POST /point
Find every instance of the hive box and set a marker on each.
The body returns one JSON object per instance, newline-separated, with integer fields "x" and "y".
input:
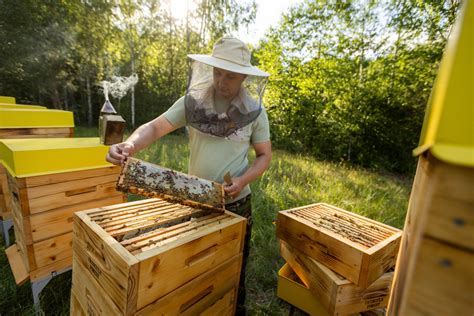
{"x": 17, "y": 121}
{"x": 154, "y": 257}
{"x": 49, "y": 180}
{"x": 359, "y": 249}
{"x": 338, "y": 295}
{"x": 20, "y": 122}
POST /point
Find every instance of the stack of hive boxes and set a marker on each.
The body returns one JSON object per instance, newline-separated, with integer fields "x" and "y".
{"x": 48, "y": 180}
{"x": 154, "y": 257}
{"x": 27, "y": 121}
{"x": 343, "y": 260}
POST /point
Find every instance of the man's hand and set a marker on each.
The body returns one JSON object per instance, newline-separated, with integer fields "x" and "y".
{"x": 118, "y": 152}
{"x": 233, "y": 189}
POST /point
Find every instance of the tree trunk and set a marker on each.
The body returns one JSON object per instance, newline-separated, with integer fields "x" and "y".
{"x": 66, "y": 101}
{"x": 89, "y": 102}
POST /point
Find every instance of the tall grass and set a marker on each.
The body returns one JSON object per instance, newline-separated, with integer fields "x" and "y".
{"x": 292, "y": 180}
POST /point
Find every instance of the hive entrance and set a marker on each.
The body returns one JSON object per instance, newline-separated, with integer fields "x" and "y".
{"x": 358, "y": 231}
{"x": 145, "y": 226}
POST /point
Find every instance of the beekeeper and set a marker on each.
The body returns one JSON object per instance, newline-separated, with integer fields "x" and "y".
{"x": 223, "y": 112}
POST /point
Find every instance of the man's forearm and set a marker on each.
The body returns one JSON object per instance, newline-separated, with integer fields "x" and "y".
{"x": 258, "y": 167}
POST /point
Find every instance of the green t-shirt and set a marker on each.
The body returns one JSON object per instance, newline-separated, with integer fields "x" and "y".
{"x": 211, "y": 157}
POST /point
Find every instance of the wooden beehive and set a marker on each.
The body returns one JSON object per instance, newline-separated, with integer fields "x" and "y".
{"x": 434, "y": 274}
{"x": 18, "y": 123}
{"x": 359, "y": 249}
{"x": 44, "y": 195}
{"x": 338, "y": 295}
{"x": 154, "y": 257}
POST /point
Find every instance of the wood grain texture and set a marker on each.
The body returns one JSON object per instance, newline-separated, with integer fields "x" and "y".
{"x": 201, "y": 293}
{"x": 338, "y": 295}
{"x": 361, "y": 262}
{"x": 441, "y": 209}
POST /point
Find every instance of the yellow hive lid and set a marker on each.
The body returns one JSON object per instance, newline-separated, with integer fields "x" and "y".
{"x": 35, "y": 118}
{"x": 20, "y": 106}
{"x": 5, "y": 99}
{"x": 39, "y": 156}
{"x": 448, "y": 128}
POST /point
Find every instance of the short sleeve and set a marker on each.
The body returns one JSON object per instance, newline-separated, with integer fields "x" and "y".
{"x": 261, "y": 128}
{"x": 175, "y": 114}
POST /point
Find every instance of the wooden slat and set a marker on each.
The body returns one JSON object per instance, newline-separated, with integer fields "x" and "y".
{"x": 51, "y": 189}
{"x": 70, "y": 176}
{"x": 191, "y": 256}
{"x": 443, "y": 281}
{"x": 199, "y": 294}
{"x": 36, "y": 132}
{"x": 75, "y": 308}
{"x": 62, "y": 199}
{"x": 59, "y": 221}
{"x": 16, "y": 262}
{"x": 49, "y": 269}
{"x": 52, "y": 250}
{"x": 224, "y": 306}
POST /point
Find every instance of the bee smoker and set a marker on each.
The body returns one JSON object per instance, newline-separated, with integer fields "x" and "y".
{"x": 111, "y": 125}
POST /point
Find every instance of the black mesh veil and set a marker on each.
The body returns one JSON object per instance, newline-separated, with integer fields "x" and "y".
{"x": 199, "y": 103}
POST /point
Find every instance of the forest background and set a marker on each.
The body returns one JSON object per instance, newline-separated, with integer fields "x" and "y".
{"x": 349, "y": 82}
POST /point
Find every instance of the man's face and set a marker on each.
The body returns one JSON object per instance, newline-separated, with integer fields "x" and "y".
{"x": 227, "y": 83}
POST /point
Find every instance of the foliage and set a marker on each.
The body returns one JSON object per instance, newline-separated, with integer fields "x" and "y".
{"x": 292, "y": 180}
{"x": 350, "y": 80}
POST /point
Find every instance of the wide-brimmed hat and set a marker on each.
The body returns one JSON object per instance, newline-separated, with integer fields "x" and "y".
{"x": 230, "y": 54}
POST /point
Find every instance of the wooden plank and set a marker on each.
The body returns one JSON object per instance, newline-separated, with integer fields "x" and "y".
{"x": 50, "y": 269}
{"x": 224, "y": 306}
{"x": 59, "y": 221}
{"x": 451, "y": 220}
{"x": 17, "y": 265}
{"x": 89, "y": 293}
{"x": 62, "y": 199}
{"x": 36, "y": 132}
{"x": 75, "y": 308}
{"x": 338, "y": 295}
{"x": 191, "y": 256}
{"x": 70, "y": 176}
{"x": 110, "y": 264}
{"x": 52, "y": 250}
{"x": 200, "y": 293}
{"x": 443, "y": 281}
{"x": 69, "y": 186}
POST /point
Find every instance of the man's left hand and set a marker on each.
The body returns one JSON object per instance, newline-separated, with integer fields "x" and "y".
{"x": 233, "y": 189}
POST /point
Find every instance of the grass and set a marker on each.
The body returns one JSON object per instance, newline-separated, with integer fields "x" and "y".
{"x": 292, "y": 180}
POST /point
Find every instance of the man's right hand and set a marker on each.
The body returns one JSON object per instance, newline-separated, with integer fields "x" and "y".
{"x": 118, "y": 152}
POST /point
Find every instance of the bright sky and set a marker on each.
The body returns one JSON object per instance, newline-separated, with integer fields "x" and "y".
{"x": 268, "y": 14}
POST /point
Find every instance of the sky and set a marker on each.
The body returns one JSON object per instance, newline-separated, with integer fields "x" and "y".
{"x": 268, "y": 14}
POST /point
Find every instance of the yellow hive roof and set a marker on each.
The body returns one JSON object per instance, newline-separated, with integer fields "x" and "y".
{"x": 35, "y": 118}
{"x": 20, "y": 106}
{"x": 448, "y": 128}
{"x": 4, "y": 99}
{"x": 39, "y": 156}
